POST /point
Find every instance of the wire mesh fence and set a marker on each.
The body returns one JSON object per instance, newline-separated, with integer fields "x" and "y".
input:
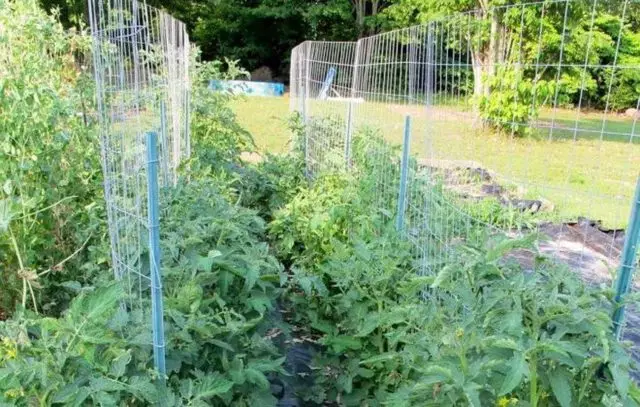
{"x": 514, "y": 119}
{"x": 141, "y": 66}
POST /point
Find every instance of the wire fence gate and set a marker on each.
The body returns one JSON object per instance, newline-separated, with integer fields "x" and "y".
{"x": 520, "y": 118}
{"x": 141, "y": 64}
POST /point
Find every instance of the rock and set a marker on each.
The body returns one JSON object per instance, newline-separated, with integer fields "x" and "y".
{"x": 262, "y": 74}
{"x": 633, "y": 113}
{"x": 547, "y": 206}
{"x": 480, "y": 173}
{"x": 524, "y": 205}
{"x": 491, "y": 189}
{"x": 582, "y": 221}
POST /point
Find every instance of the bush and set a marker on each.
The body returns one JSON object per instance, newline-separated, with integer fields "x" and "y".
{"x": 270, "y": 184}
{"x": 217, "y": 138}
{"x": 482, "y": 331}
{"x": 91, "y": 354}
{"x": 220, "y": 286}
{"x": 513, "y": 101}
{"x": 501, "y": 335}
{"x": 50, "y": 188}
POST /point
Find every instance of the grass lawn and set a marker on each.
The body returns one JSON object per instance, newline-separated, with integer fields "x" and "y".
{"x": 266, "y": 119}
{"x": 580, "y": 165}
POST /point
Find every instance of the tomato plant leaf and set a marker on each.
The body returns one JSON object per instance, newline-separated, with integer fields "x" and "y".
{"x": 517, "y": 368}
{"x": 560, "y": 381}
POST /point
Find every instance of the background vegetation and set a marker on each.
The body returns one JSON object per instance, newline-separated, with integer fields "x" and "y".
{"x": 256, "y": 262}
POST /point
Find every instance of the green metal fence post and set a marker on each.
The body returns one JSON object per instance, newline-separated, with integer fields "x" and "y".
{"x": 157, "y": 314}
{"x": 627, "y": 263}
{"x": 404, "y": 170}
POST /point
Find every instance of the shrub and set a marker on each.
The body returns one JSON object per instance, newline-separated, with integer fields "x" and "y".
{"x": 89, "y": 355}
{"x": 220, "y": 286}
{"x": 483, "y": 331}
{"x": 217, "y": 138}
{"x": 50, "y": 192}
{"x": 505, "y": 335}
{"x": 219, "y": 289}
{"x": 513, "y": 101}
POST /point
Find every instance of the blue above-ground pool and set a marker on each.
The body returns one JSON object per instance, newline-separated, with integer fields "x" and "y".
{"x": 248, "y": 87}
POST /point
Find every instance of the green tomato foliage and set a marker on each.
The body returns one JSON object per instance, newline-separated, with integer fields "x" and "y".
{"x": 51, "y": 216}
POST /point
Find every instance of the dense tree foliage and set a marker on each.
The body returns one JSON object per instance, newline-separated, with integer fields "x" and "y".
{"x": 256, "y": 32}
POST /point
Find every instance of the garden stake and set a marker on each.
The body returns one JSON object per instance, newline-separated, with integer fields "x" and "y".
{"x": 404, "y": 169}
{"x": 154, "y": 256}
{"x": 627, "y": 263}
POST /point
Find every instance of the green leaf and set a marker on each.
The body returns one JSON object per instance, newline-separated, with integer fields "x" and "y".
{"x": 6, "y": 214}
{"x": 91, "y": 308}
{"x": 383, "y": 357}
{"x": 262, "y": 398}
{"x": 119, "y": 365}
{"x": 472, "y": 394}
{"x": 366, "y": 373}
{"x": 251, "y": 277}
{"x": 341, "y": 343}
{"x": 517, "y": 368}
{"x": 211, "y": 385}
{"x": 105, "y": 384}
{"x": 620, "y": 379}
{"x": 71, "y": 395}
{"x": 204, "y": 263}
{"x": 443, "y": 276}
{"x": 369, "y": 324}
{"x": 144, "y": 388}
{"x": 104, "y": 399}
{"x": 505, "y": 343}
{"x": 256, "y": 377}
{"x": 266, "y": 365}
{"x": 225, "y": 279}
{"x": 222, "y": 344}
{"x": 507, "y": 245}
{"x": 260, "y": 301}
{"x": 560, "y": 380}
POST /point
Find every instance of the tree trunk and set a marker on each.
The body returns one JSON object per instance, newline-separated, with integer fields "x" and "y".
{"x": 485, "y": 57}
{"x": 375, "y": 4}
{"x": 360, "y": 7}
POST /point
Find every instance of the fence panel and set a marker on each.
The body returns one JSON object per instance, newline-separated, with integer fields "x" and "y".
{"x": 322, "y": 75}
{"x": 523, "y": 119}
{"x": 141, "y": 65}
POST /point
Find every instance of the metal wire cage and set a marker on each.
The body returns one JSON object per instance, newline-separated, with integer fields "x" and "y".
{"x": 513, "y": 119}
{"x": 141, "y": 66}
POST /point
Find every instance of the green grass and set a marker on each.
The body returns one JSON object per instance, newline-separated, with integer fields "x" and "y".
{"x": 266, "y": 119}
{"x": 586, "y": 172}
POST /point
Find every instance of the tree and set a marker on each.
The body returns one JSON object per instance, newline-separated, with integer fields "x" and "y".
{"x": 524, "y": 55}
{"x": 256, "y": 32}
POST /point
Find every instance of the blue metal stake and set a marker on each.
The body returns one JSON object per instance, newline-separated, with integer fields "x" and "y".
{"x": 154, "y": 255}
{"x": 627, "y": 264}
{"x": 404, "y": 170}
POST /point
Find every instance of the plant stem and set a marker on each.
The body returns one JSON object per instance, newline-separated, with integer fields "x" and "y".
{"x": 533, "y": 361}
{"x": 14, "y": 242}
{"x": 72, "y": 255}
{"x": 33, "y": 297}
{"x": 380, "y": 339}
{"x": 533, "y": 382}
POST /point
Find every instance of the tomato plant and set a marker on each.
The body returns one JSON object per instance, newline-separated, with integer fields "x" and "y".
{"x": 50, "y": 174}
